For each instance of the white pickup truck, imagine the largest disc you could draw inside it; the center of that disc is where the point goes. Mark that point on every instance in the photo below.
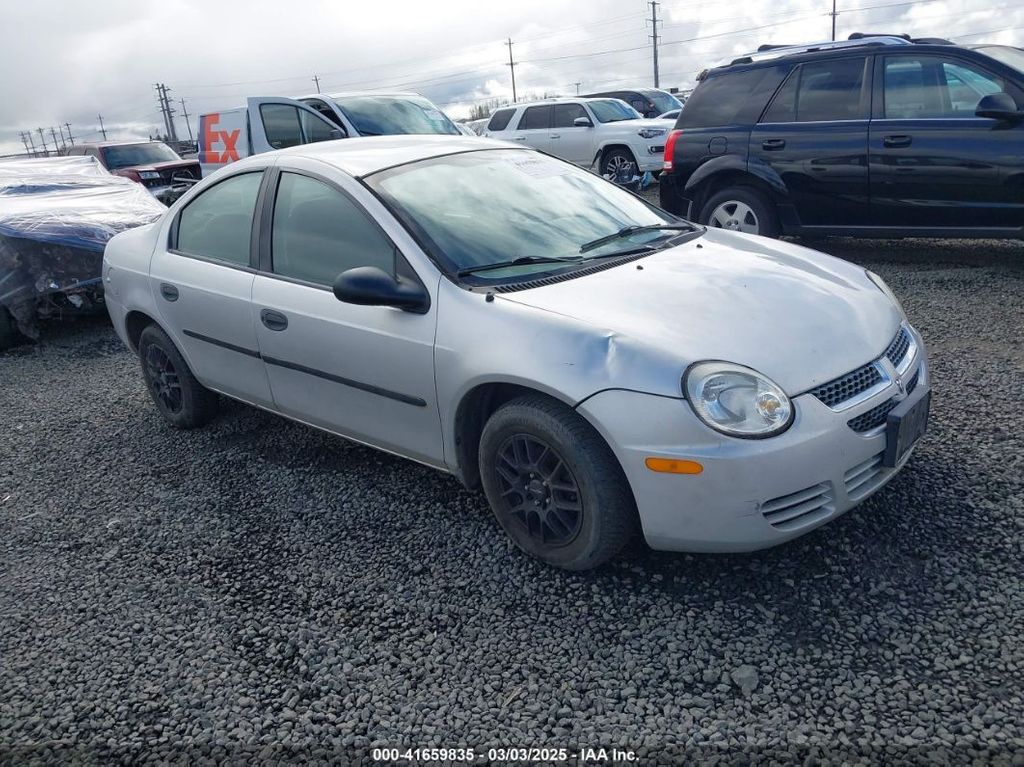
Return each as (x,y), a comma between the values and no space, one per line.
(270,122)
(603,134)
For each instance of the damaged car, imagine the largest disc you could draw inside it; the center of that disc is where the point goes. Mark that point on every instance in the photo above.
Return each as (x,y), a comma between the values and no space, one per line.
(594,364)
(56,216)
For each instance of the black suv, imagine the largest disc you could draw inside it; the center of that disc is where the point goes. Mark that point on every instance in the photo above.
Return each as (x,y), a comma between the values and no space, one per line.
(879,136)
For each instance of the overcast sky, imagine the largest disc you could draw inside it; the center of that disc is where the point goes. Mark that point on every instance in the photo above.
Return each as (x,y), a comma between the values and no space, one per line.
(68,61)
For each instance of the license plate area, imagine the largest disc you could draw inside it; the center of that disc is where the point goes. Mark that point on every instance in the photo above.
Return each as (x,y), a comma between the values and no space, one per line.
(905,425)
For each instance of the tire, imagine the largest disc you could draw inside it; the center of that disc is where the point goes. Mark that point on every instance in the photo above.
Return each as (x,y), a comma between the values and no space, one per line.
(9,335)
(614,160)
(181,399)
(741,209)
(554,484)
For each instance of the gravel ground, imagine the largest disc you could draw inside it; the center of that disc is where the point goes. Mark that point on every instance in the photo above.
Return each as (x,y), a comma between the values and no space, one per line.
(259,589)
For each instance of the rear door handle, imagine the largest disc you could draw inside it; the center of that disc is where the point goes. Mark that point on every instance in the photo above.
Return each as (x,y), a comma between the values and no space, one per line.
(169,292)
(519,138)
(555,135)
(893,142)
(770,144)
(273,320)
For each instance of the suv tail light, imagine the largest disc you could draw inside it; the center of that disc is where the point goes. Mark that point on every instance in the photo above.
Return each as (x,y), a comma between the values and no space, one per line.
(670,149)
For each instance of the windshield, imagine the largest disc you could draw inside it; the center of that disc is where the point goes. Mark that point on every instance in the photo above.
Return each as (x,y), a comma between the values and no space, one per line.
(394,115)
(663,102)
(1012,57)
(497,205)
(612,110)
(130,155)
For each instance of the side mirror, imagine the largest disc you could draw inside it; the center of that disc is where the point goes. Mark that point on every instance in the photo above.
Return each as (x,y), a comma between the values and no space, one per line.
(337,133)
(371,286)
(583,122)
(998,106)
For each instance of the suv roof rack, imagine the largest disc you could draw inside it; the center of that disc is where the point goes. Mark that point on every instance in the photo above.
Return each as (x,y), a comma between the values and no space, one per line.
(776,51)
(917,40)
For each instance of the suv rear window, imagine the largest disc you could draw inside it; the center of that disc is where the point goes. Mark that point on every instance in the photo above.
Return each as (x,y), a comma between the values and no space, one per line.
(719,99)
(500,119)
(535,117)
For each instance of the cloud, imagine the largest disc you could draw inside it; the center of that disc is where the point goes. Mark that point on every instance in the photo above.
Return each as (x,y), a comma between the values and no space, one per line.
(70,61)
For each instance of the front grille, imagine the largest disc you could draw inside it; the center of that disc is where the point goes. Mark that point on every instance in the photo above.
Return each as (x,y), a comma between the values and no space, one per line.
(873,418)
(864,478)
(841,390)
(848,386)
(789,512)
(898,348)
(912,383)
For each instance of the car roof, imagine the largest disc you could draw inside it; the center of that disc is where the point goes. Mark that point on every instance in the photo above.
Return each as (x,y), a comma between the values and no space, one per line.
(345,94)
(365,155)
(119,143)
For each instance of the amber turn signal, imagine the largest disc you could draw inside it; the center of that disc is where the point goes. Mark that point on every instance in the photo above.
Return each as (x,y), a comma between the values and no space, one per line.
(673,466)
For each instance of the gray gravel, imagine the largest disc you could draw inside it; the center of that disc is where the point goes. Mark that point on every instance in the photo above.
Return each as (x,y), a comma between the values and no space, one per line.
(259,589)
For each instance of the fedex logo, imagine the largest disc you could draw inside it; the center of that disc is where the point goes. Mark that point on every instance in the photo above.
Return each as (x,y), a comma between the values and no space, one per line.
(210,137)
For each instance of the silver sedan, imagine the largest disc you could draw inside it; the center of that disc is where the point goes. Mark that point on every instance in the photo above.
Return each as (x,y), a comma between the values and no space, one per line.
(597,366)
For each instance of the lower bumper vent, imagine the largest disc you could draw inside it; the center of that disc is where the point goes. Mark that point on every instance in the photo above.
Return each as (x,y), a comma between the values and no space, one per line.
(864,478)
(793,511)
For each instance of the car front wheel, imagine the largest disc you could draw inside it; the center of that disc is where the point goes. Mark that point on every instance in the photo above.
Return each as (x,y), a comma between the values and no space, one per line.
(554,484)
(181,399)
(741,209)
(619,165)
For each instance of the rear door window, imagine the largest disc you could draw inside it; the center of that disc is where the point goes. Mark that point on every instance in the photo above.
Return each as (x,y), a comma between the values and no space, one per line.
(217,224)
(536,118)
(820,92)
(500,119)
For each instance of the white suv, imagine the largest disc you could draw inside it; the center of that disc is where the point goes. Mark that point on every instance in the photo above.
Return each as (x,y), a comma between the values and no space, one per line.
(606,134)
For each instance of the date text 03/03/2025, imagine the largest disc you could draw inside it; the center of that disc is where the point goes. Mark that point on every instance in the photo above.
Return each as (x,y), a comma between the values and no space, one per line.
(504,754)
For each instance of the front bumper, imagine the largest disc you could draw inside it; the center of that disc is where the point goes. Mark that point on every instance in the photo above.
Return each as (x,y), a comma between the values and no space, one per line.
(752,494)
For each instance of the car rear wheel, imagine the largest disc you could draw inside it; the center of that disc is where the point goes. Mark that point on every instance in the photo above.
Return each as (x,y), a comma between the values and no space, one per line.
(554,484)
(181,399)
(741,209)
(619,165)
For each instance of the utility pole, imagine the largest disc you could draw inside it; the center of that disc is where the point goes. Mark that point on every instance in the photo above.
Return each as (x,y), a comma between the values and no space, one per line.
(70,137)
(654,37)
(54,134)
(31,143)
(102,130)
(316,80)
(168,111)
(833,15)
(42,137)
(577,88)
(512,66)
(184,113)
(24,140)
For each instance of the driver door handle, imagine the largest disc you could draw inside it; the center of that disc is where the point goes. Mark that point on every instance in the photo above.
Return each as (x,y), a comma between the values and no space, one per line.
(555,135)
(770,144)
(519,138)
(273,320)
(893,142)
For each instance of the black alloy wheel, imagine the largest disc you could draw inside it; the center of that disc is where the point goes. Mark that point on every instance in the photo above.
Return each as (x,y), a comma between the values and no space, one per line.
(163,380)
(538,490)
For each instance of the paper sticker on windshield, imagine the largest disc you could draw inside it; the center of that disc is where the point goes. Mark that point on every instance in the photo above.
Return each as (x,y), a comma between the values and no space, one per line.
(539,166)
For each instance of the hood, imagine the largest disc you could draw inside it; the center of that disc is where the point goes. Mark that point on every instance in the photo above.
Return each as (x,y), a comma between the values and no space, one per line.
(798,316)
(161,166)
(643,122)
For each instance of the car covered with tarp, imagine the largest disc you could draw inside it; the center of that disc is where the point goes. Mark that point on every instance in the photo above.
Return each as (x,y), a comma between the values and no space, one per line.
(56,216)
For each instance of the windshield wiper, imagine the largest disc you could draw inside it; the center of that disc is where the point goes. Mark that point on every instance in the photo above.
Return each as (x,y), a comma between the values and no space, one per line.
(518,262)
(628,230)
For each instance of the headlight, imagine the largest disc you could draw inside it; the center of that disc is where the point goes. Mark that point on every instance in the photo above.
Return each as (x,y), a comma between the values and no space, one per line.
(651,132)
(148,174)
(880,284)
(736,400)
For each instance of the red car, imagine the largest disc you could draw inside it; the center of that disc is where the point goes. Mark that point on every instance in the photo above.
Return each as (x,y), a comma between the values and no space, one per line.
(152,163)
